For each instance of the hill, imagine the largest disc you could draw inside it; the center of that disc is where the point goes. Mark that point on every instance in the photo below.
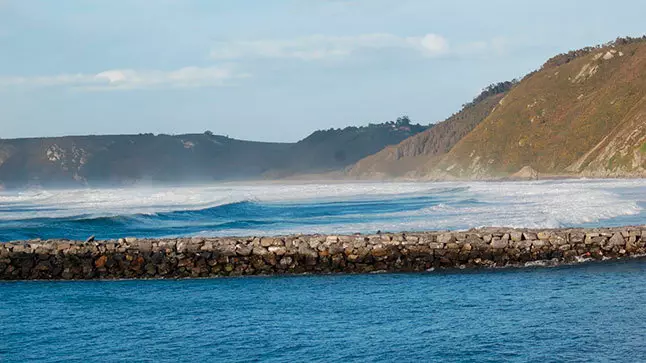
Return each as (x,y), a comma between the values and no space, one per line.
(334,149)
(116,160)
(416,155)
(583,113)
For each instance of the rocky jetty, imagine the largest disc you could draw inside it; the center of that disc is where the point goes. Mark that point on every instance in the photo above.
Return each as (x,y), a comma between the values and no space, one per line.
(314,254)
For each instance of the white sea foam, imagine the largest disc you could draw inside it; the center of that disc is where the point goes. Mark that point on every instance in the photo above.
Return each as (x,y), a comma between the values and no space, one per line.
(458,204)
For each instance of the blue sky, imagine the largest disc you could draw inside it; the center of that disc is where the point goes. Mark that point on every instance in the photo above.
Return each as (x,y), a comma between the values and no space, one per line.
(273,70)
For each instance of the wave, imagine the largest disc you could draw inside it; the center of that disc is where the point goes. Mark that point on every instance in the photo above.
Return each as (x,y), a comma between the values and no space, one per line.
(320,208)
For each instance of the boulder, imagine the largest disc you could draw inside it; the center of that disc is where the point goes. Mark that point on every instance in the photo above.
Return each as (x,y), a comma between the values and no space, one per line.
(516,236)
(617,240)
(101,261)
(305,250)
(446,238)
(499,243)
(244,250)
(530,236)
(277,250)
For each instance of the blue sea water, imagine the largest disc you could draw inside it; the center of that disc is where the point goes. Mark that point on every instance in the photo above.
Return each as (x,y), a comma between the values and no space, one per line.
(584,313)
(578,313)
(261,209)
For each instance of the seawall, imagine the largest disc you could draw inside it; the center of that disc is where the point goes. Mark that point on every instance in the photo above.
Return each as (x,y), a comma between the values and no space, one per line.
(315,254)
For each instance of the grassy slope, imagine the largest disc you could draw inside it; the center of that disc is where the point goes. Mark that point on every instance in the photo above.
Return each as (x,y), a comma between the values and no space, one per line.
(332,150)
(417,154)
(583,117)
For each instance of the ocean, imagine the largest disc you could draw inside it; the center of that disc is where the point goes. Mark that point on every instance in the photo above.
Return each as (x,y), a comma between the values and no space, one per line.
(583,313)
(589,312)
(270,208)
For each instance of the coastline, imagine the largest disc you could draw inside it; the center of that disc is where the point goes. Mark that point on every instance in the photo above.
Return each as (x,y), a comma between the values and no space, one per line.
(197,257)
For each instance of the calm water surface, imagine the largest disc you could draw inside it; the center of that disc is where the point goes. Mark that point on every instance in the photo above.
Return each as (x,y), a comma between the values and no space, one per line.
(582,313)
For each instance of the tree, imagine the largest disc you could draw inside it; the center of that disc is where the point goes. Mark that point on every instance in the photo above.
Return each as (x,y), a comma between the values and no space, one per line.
(403,121)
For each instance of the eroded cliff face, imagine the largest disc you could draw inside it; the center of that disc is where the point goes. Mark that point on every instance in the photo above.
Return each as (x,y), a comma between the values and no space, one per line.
(621,153)
(585,117)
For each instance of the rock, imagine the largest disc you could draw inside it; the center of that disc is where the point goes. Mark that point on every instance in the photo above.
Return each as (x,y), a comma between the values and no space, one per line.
(63,246)
(544,235)
(277,250)
(446,238)
(181,246)
(90,239)
(21,249)
(617,240)
(145,246)
(100,262)
(331,239)
(530,236)
(524,245)
(577,237)
(306,251)
(228,250)
(278,242)
(244,250)
(557,240)
(131,239)
(379,252)
(538,243)
(286,261)
(499,243)
(516,236)
(314,243)
(199,257)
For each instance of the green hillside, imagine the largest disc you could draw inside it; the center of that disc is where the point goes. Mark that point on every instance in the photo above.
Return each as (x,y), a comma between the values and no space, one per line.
(416,155)
(146,159)
(582,113)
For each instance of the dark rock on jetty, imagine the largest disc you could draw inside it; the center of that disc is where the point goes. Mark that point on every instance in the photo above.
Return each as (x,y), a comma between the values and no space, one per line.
(315,254)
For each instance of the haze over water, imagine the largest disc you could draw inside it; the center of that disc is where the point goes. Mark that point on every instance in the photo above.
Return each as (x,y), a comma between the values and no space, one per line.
(272,208)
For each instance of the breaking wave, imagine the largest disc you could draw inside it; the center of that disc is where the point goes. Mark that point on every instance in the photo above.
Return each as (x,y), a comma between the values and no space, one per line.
(260,209)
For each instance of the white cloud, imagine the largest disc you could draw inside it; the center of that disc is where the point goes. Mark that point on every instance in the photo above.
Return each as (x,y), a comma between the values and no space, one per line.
(319,47)
(128,79)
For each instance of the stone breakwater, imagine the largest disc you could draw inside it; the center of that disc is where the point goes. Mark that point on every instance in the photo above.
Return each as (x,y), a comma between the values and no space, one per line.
(315,254)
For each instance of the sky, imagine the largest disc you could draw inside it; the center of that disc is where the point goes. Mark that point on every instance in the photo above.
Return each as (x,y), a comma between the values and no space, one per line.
(274,70)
